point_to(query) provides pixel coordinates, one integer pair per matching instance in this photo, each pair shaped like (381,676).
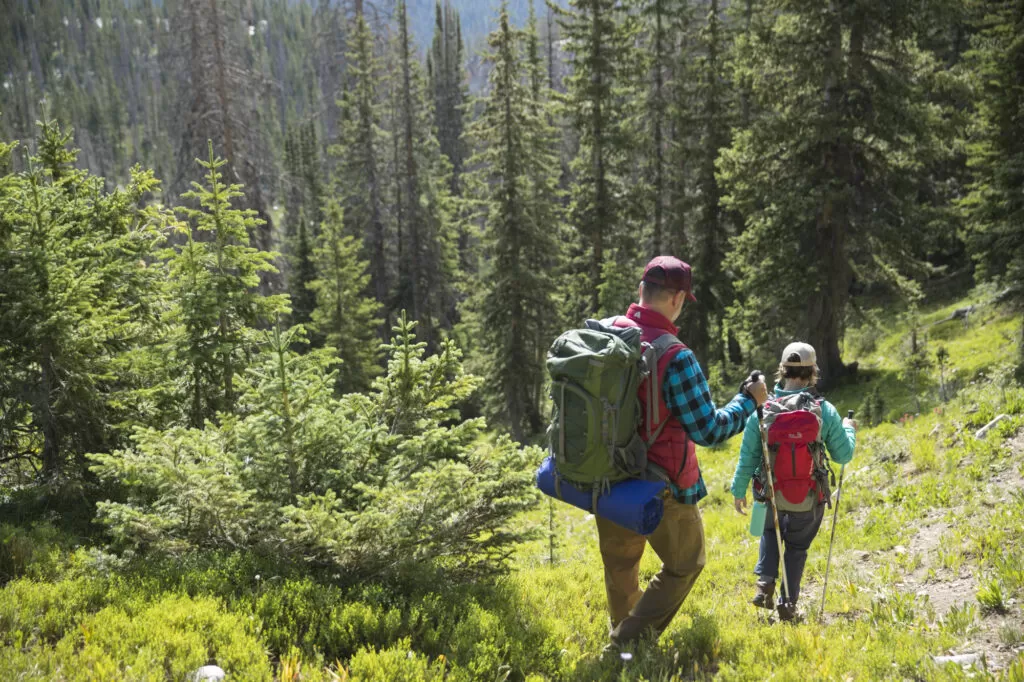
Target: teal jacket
(839,441)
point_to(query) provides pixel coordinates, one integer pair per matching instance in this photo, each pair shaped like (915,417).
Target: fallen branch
(983,431)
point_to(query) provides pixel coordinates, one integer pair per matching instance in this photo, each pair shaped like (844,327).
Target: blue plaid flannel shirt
(688,398)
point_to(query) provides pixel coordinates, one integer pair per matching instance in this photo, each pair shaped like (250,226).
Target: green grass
(78,613)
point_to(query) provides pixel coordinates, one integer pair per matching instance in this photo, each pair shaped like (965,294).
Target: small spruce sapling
(915,368)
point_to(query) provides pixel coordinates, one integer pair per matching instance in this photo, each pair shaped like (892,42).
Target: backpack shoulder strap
(665,343)
(661,345)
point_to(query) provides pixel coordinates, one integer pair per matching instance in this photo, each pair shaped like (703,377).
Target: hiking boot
(615,653)
(765,596)
(787,610)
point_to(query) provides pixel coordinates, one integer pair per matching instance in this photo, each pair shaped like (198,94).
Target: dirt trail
(945,588)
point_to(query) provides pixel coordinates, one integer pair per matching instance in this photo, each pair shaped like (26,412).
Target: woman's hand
(741,505)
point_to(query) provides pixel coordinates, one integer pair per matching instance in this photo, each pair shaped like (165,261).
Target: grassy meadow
(928,561)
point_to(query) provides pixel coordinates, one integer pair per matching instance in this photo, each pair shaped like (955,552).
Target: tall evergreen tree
(304,212)
(301,273)
(427,259)
(75,296)
(214,275)
(995,206)
(711,117)
(661,31)
(516,181)
(601,36)
(345,318)
(361,149)
(829,177)
(221,102)
(445,68)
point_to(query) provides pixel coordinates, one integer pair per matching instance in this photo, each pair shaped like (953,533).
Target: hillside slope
(928,561)
(929,552)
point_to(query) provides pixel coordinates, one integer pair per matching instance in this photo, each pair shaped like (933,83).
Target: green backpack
(595,378)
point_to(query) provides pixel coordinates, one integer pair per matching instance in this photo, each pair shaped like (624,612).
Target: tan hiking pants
(679,543)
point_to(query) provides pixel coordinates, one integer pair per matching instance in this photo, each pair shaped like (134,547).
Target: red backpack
(799,462)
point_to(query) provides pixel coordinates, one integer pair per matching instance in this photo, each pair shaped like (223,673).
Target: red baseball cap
(671,273)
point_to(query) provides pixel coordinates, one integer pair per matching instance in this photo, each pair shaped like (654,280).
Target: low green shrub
(32,611)
(164,640)
(169,639)
(394,663)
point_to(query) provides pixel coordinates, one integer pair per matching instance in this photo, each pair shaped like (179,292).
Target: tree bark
(826,312)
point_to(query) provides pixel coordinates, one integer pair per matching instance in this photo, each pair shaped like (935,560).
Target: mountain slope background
(477,16)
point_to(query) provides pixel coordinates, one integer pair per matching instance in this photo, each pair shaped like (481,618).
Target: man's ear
(679,300)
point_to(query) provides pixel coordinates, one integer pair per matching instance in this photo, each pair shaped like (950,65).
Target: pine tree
(710,229)
(286,388)
(312,172)
(304,212)
(601,37)
(661,28)
(302,273)
(427,258)
(75,297)
(345,317)
(995,207)
(446,72)
(362,145)
(382,486)
(221,102)
(303,177)
(214,277)
(829,177)
(516,184)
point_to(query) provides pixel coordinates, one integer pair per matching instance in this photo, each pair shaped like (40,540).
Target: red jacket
(673,450)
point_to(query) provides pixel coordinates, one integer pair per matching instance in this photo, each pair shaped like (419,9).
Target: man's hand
(755,387)
(850,422)
(741,505)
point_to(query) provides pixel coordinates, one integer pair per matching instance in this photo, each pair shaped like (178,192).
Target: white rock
(212,673)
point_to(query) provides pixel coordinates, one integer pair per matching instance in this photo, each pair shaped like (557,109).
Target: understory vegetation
(927,562)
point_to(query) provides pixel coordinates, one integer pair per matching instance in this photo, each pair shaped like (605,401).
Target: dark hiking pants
(798,531)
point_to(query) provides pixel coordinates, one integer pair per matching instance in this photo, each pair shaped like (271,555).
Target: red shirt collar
(651,318)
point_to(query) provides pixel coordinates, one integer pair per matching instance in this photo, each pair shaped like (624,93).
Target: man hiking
(684,416)
(798,422)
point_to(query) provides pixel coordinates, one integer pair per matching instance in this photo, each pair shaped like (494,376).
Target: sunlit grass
(547,620)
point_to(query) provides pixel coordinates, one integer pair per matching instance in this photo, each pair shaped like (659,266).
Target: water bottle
(757,516)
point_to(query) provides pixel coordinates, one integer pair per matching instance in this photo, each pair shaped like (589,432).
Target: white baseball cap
(805,351)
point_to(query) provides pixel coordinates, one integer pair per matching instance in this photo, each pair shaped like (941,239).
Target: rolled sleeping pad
(634,504)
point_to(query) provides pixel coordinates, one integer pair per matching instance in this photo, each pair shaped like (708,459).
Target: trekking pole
(835,515)
(771,496)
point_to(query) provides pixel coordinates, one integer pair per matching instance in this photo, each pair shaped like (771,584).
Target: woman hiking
(800,426)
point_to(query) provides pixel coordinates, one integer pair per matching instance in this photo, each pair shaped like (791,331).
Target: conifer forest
(279,279)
